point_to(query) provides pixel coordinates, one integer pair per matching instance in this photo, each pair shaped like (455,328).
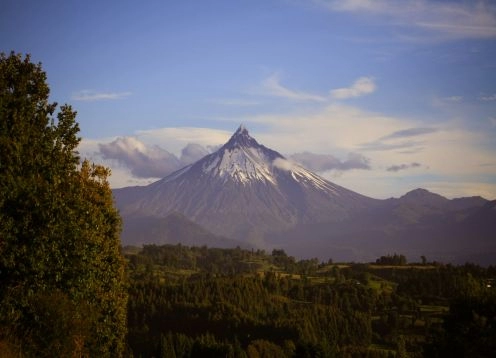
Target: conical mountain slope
(243,191)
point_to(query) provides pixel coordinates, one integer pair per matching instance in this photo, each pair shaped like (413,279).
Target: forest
(210,302)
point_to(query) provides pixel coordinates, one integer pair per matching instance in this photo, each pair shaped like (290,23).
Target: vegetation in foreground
(62,284)
(200,302)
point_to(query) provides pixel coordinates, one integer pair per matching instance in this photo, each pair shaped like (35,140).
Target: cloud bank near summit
(152,161)
(324,162)
(149,161)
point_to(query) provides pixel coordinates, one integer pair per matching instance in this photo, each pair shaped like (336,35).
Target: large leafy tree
(62,288)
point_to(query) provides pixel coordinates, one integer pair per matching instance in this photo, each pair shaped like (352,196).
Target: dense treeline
(197,302)
(247,308)
(391,260)
(444,282)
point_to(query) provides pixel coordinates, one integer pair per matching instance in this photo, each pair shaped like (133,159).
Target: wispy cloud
(397,168)
(325,162)
(272,86)
(449,20)
(452,99)
(410,132)
(381,146)
(488,98)
(446,102)
(397,140)
(362,86)
(87,95)
(235,102)
(179,137)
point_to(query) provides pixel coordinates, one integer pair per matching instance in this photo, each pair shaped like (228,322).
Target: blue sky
(380,96)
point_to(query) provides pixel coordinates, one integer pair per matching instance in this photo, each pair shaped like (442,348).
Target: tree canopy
(61,273)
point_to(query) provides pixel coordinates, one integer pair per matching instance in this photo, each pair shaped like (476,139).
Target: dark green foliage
(469,330)
(61,273)
(196,302)
(261,314)
(395,259)
(55,326)
(446,282)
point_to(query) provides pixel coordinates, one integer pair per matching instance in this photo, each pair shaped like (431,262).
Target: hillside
(197,302)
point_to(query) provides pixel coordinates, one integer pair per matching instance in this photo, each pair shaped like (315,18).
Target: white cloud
(142,160)
(152,145)
(410,132)
(151,154)
(362,86)
(235,102)
(401,139)
(488,98)
(325,162)
(121,175)
(272,86)
(192,152)
(447,20)
(447,151)
(284,164)
(87,95)
(176,138)
(336,129)
(446,102)
(398,167)
(145,160)
(452,99)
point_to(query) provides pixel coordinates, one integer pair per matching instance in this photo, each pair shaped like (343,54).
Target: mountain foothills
(248,195)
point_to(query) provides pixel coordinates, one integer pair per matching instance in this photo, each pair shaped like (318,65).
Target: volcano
(243,191)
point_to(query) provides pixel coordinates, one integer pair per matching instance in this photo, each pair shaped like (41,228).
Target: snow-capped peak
(242,159)
(241,138)
(245,161)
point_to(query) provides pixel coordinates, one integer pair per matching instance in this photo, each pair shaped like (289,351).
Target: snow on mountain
(241,159)
(244,191)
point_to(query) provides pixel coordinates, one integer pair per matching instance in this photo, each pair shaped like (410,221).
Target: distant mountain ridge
(250,193)
(457,230)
